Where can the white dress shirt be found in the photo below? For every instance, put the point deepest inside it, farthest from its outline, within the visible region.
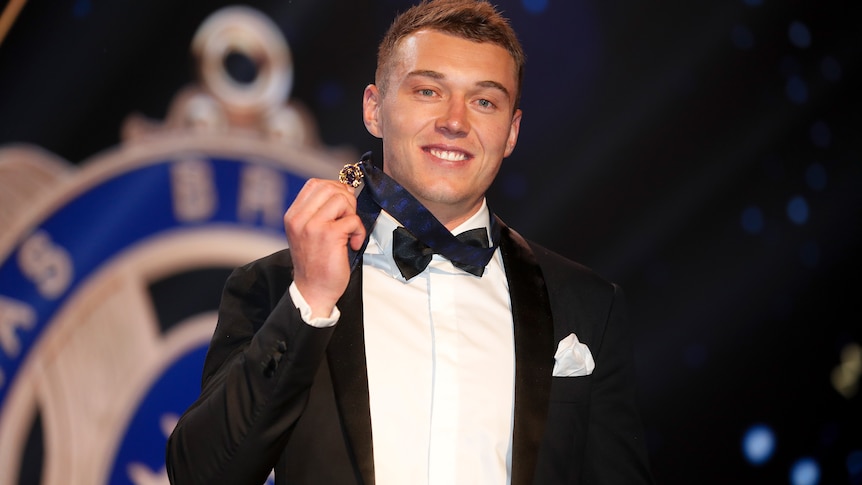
(440, 356)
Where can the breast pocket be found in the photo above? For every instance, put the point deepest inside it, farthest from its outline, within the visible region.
(570, 389)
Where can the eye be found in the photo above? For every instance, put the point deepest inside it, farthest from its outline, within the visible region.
(426, 92)
(484, 103)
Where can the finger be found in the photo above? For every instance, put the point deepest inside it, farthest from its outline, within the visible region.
(357, 239)
(353, 230)
(319, 199)
(311, 196)
(332, 207)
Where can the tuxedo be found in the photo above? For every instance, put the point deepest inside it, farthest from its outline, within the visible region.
(279, 393)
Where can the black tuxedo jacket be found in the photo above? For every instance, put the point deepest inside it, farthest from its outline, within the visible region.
(278, 393)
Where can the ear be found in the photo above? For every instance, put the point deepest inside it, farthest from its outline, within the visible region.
(514, 129)
(371, 100)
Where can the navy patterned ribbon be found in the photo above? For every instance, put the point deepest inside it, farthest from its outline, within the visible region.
(382, 192)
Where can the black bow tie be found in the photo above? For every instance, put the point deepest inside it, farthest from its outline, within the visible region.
(412, 255)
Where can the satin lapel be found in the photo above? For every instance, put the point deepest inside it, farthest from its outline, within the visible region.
(534, 352)
(346, 356)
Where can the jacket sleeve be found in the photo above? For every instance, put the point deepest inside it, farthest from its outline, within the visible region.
(615, 451)
(257, 375)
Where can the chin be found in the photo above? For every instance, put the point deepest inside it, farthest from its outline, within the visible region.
(441, 194)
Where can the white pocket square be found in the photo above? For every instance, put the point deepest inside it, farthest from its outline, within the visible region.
(573, 358)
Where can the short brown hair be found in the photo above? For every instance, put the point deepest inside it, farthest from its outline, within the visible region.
(475, 20)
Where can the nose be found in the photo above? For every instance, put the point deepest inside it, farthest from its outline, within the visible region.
(453, 121)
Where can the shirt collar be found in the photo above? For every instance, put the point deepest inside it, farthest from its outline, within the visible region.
(381, 235)
(380, 240)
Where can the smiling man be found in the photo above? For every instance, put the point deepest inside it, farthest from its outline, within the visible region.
(408, 335)
(447, 116)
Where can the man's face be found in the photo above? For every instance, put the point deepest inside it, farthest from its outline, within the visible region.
(446, 120)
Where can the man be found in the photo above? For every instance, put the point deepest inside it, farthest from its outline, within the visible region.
(336, 362)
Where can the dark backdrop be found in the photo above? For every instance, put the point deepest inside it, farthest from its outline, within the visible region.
(705, 155)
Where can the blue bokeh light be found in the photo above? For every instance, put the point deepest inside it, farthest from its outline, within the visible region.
(797, 90)
(758, 444)
(82, 8)
(854, 465)
(816, 177)
(535, 6)
(753, 3)
(799, 34)
(797, 210)
(805, 471)
(752, 220)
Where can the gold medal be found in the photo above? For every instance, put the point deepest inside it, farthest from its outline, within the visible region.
(351, 175)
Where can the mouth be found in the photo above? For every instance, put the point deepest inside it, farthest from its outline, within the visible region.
(448, 155)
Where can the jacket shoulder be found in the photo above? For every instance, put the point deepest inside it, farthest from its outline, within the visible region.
(258, 284)
(582, 301)
(562, 272)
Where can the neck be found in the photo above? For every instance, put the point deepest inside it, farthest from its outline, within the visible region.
(452, 217)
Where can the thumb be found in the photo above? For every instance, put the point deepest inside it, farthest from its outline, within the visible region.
(357, 238)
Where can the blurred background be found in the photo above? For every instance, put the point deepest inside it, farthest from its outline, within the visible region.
(704, 155)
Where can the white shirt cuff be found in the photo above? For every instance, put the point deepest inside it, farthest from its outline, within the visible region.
(305, 310)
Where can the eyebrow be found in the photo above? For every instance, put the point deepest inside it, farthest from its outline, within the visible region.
(439, 75)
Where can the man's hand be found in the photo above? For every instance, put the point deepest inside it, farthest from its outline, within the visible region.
(319, 225)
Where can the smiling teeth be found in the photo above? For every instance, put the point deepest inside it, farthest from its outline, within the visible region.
(449, 155)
